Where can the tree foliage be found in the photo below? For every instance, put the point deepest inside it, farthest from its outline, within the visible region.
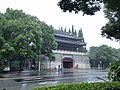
(88, 7)
(114, 73)
(112, 12)
(48, 41)
(21, 33)
(103, 55)
(24, 36)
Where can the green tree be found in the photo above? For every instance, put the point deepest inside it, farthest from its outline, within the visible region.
(48, 41)
(112, 12)
(112, 31)
(93, 56)
(20, 36)
(114, 73)
(88, 7)
(103, 55)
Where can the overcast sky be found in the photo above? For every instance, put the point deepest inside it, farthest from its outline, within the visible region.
(50, 13)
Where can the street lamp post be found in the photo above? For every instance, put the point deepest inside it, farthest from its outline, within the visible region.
(39, 64)
(39, 60)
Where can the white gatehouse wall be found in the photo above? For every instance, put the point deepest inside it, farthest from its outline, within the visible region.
(80, 60)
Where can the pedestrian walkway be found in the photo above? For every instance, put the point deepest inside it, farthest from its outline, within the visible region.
(27, 80)
(8, 84)
(7, 79)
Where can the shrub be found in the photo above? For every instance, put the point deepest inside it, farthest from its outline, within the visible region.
(114, 73)
(84, 86)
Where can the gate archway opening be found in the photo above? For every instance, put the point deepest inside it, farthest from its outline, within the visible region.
(67, 62)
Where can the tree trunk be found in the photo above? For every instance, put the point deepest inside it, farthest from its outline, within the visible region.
(21, 64)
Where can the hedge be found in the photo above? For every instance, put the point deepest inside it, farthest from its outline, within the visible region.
(83, 86)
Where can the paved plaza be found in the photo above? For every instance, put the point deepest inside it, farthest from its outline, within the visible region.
(27, 80)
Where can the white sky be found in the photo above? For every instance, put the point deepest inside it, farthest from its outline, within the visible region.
(50, 13)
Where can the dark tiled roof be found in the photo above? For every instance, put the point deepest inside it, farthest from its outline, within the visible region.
(65, 34)
(71, 42)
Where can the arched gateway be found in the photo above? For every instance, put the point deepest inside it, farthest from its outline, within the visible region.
(67, 62)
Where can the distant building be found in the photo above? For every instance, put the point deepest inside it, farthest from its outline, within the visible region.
(71, 50)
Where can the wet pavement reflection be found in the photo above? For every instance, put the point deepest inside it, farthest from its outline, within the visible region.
(49, 77)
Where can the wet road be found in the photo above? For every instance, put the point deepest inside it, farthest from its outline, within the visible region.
(53, 78)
